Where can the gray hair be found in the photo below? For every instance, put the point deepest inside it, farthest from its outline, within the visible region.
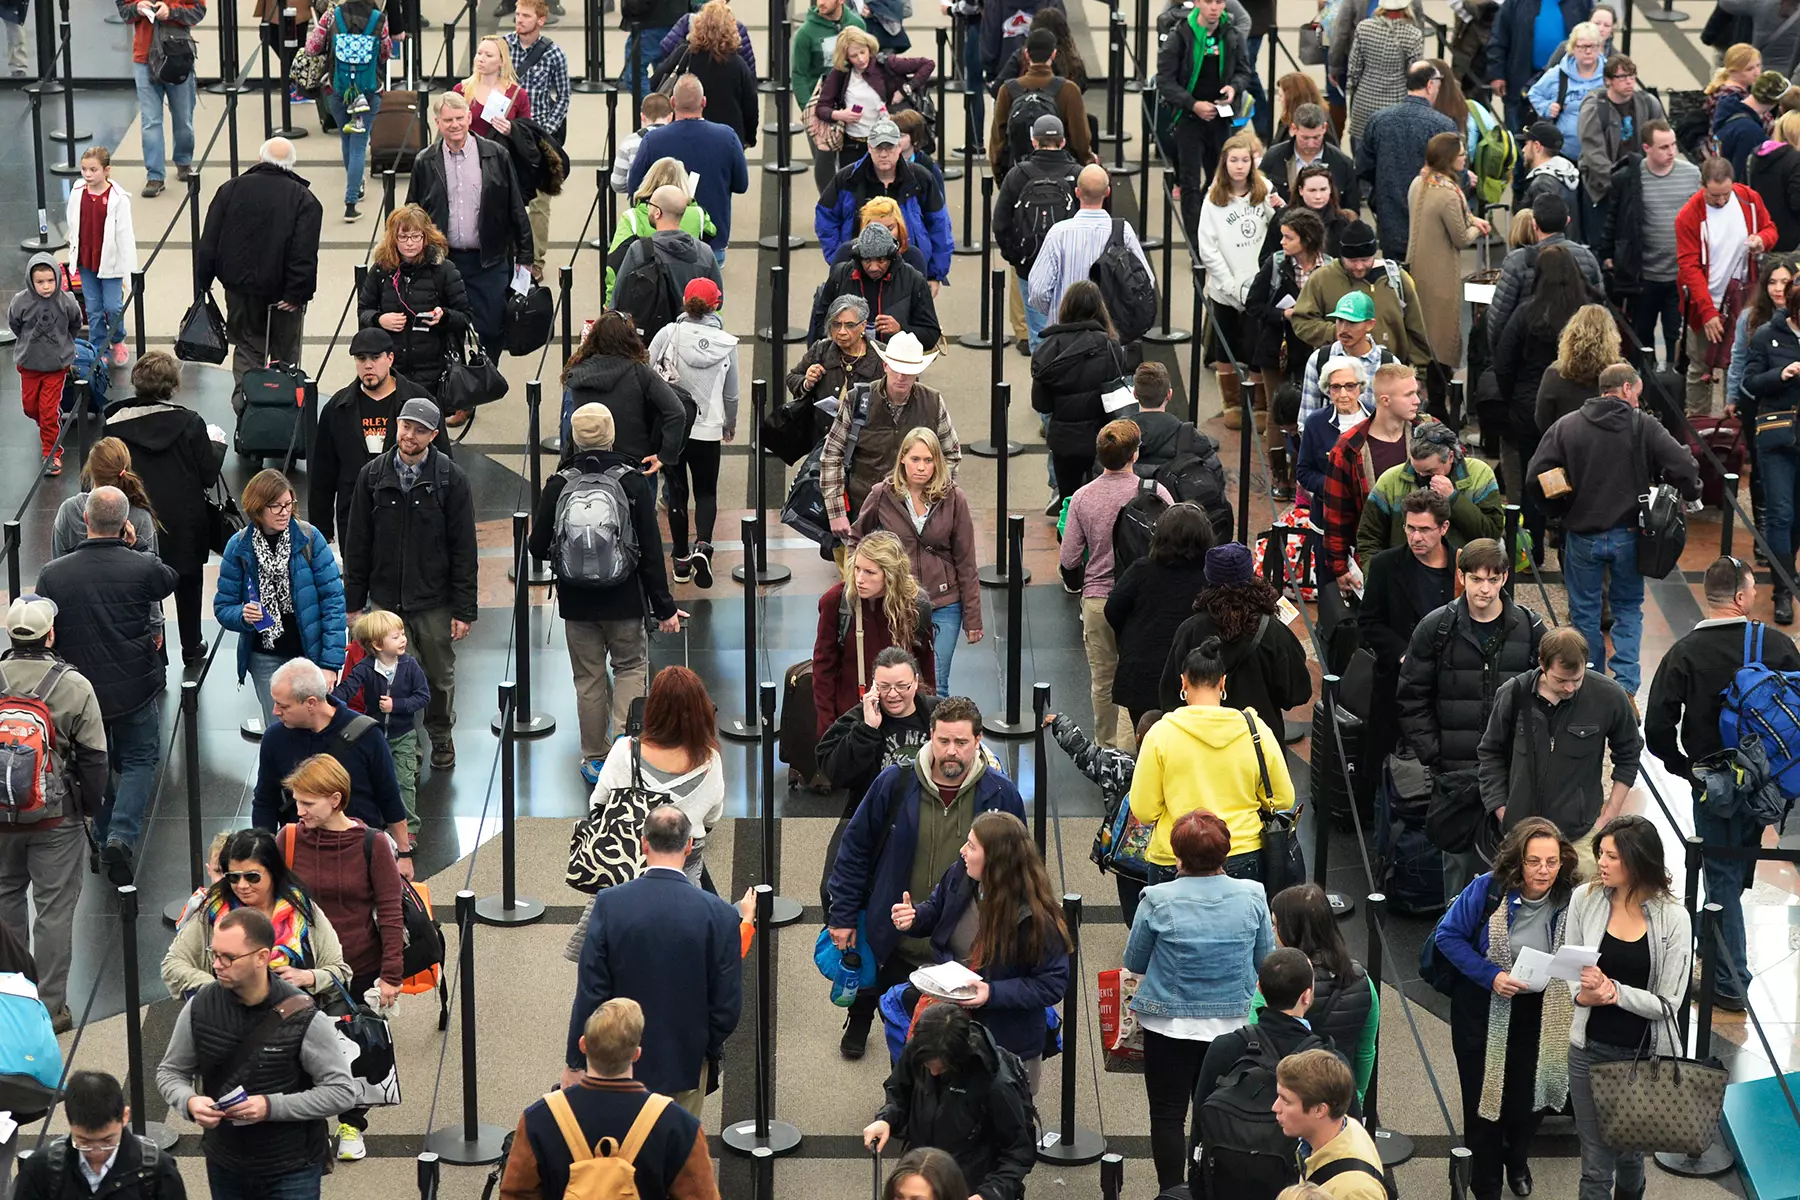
(107, 512)
(279, 152)
(667, 829)
(1309, 116)
(303, 680)
(1343, 362)
(451, 100)
(855, 304)
(1432, 440)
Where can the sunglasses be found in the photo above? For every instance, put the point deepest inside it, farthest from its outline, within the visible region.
(233, 878)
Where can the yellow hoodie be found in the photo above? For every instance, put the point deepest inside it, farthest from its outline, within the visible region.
(1202, 756)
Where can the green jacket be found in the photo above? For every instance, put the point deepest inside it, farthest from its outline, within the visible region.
(1477, 510)
(635, 222)
(808, 61)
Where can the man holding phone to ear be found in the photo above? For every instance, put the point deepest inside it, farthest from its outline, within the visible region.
(238, 1065)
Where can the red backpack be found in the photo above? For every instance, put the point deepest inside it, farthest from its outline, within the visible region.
(30, 789)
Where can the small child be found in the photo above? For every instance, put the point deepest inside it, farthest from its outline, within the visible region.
(394, 691)
(46, 321)
(102, 250)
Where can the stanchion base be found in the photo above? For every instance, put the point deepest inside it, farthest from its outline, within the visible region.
(492, 910)
(952, 173)
(783, 1138)
(164, 1136)
(44, 245)
(1150, 243)
(1671, 17)
(450, 1146)
(767, 577)
(1716, 1160)
(80, 135)
(172, 911)
(538, 575)
(1121, 170)
(998, 726)
(593, 87)
(1341, 905)
(1085, 1146)
(985, 449)
(64, 170)
(223, 86)
(252, 729)
(740, 729)
(1295, 731)
(772, 241)
(1395, 1148)
(992, 576)
(1167, 337)
(774, 130)
(965, 250)
(1109, 136)
(794, 334)
(551, 444)
(975, 341)
(785, 912)
(793, 168)
(294, 135)
(526, 725)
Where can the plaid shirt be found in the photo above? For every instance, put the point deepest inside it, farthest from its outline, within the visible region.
(547, 83)
(1349, 475)
(835, 461)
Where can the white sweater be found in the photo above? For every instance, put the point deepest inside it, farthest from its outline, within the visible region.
(118, 253)
(700, 793)
(1229, 241)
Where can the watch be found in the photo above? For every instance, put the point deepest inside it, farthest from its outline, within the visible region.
(407, 853)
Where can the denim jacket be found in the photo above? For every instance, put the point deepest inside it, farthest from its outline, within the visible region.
(1197, 941)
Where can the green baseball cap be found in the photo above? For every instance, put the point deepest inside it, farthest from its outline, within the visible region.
(1355, 306)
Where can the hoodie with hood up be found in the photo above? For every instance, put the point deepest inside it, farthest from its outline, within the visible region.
(46, 326)
(1594, 446)
(1559, 175)
(647, 414)
(697, 353)
(1203, 756)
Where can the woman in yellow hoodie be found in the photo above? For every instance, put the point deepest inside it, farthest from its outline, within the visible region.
(1206, 755)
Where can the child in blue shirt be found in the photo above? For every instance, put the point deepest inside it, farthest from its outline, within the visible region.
(394, 690)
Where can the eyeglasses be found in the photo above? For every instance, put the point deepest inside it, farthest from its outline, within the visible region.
(233, 878)
(226, 960)
(94, 1147)
(1623, 75)
(281, 507)
(893, 689)
(847, 324)
(410, 235)
(1344, 387)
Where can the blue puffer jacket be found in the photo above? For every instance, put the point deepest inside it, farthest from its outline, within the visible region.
(921, 201)
(1018, 993)
(1462, 932)
(317, 588)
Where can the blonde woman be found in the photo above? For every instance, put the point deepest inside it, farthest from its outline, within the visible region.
(416, 293)
(713, 58)
(861, 87)
(922, 506)
(878, 605)
(1440, 229)
(1588, 344)
(635, 221)
(495, 97)
(884, 210)
(1523, 231)
(1234, 221)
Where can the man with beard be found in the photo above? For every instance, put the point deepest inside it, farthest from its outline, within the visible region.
(899, 298)
(356, 424)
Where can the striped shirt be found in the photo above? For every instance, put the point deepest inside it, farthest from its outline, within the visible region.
(1664, 196)
(547, 83)
(1312, 388)
(462, 182)
(1069, 252)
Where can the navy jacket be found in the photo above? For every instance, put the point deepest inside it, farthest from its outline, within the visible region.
(374, 791)
(1018, 993)
(1509, 49)
(675, 949)
(411, 692)
(853, 875)
(1462, 932)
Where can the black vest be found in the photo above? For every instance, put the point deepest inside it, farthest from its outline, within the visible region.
(220, 1024)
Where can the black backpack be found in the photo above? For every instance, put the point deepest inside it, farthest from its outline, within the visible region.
(1042, 202)
(648, 293)
(1193, 478)
(1132, 527)
(1028, 104)
(1126, 285)
(172, 53)
(529, 317)
(1243, 1155)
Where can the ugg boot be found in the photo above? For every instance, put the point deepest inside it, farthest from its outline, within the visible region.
(1231, 401)
(1259, 406)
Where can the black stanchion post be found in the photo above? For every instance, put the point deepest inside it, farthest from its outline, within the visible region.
(634, 50)
(290, 45)
(1112, 1176)
(749, 727)
(190, 744)
(1693, 860)
(767, 574)
(1116, 96)
(783, 239)
(43, 243)
(524, 722)
(137, 312)
(1246, 450)
(68, 134)
(390, 182)
(784, 163)
(161, 1134)
(1395, 1148)
(538, 571)
(509, 908)
(1142, 47)
(993, 321)
(428, 1176)
(990, 335)
(1040, 765)
(1462, 1162)
(778, 302)
(231, 130)
(1167, 334)
(266, 35)
(593, 50)
(193, 207)
(763, 1135)
(1069, 1144)
(942, 85)
(565, 284)
(1727, 516)
(1195, 347)
(228, 65)
(999, 572)
(1013, 724)
(783, 911)
(1717, 1158)
(1145, 135)
(469, 1143)
(1666, 15)
(971, 138)
(1341, 905)
(1511, 535)
(13, 586)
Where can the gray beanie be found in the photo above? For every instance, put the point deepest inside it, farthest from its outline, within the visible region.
(876, 241)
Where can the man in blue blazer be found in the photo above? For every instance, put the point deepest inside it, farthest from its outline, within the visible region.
(673, 948)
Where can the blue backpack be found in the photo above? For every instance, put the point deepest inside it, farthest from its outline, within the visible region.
(1765, 702)
(27, 1043)
(93, 367)
(354, 55)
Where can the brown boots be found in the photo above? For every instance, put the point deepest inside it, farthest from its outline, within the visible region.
(1231, 401)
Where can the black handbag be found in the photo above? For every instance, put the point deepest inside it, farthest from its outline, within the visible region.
(1454, 811)
(471, 379)
(805, 507)
(1662, 518)
(201, 335)
(529, 317)
(223, 516)
(1283, 865)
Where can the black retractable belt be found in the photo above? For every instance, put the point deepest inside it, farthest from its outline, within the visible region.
(470, 1143)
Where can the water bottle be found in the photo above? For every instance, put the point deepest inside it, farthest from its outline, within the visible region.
(849, 978)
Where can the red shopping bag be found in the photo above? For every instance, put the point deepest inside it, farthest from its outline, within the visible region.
(1120, 1035)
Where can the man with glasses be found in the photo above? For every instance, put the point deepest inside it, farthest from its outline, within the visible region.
(359, 422)
(256, 1065)
(1612, 121)
(98, 1156)
(307, 723)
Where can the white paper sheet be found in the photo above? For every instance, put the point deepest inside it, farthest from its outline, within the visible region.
(1535, 969)
(1117, 399)
(1285, 303)
(521, 280)
(495, 106)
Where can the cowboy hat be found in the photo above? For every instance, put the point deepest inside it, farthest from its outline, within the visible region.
(904, 354)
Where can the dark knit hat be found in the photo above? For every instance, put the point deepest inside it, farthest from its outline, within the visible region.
(1228, 565)
(1358, 241)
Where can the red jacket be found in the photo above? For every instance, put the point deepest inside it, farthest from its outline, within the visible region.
(1690, 250)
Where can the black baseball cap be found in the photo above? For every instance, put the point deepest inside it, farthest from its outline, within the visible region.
(370, 342)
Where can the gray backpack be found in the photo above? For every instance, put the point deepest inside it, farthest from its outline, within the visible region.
(596, 541)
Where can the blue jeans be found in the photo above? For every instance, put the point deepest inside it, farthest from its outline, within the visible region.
(295, 1185)
(180, 97)
(975, 79)
(1585, 558)
(261, 670)
(1603, 1169)
(946, 627)
(1780, 469)
(1035, 324)
(1726, 880)
(355, 146)
(134, 743)
(641, 51)
(105, 300)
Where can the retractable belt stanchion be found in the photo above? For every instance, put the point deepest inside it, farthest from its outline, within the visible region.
(782, 911)
(780, 86)
(1246, 449)
(193, 207)
(1196, 357)
(69, 134)
(748, 727)
(777, 14)
(1069, 1144)
(1341, 905)
(993, 322)
(767, 574)
(1717, 1158)
(941, 83)
(763, 1135)
(13, 586)
(999, 572)
(429, 1176)
(988, 334)
(537, 570)
(1395, 1148)
(266, 34)
(390, 183)
(1726, 514)
(509, 908)
(1112, 1176)
(290, 45)
(1666, 15)
(1166, 334)
(784, 163)
(44, 243)
(1118, 168)
(1040, 765)
(593, 51)
(137, 311)
(784, 170)
(778, 300)
(1013, 724)
(634, 52)
(469, 1143)
(565, 287)
(190, 744)
(1511, 536)
(971, 136)
(156, 1131)
(228, 51)
(1148, 243)
(520, 718)
(1462, 1163)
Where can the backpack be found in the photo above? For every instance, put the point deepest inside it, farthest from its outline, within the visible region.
(28, 1047)
(648, 293)
(596, 543)
(1042, 202)
(1438, 970)
(1495, 155)
(1194, 479)
(30, 788)
(609, 1170)
(353, 55)
(1126, 285)
(1132, 527)
(1765, 702)
(1028, 104)
(92, 366)
(171, 53)
(1243, 1155)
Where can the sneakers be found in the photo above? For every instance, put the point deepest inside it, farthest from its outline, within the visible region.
(590, 770)
(121, 354)
(350, 1144)
(53, 468)
(1054, 508)
(351, 214)
(856, 1036)
(152, 189)
(681, 568)
(443, 755)
(296, 96)
(115, 857)
(62, 1020)
(700, 563)
(185, 173)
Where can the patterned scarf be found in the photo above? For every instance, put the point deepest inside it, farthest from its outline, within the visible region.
(291, 929)
(1551, 1084)
(276, 596)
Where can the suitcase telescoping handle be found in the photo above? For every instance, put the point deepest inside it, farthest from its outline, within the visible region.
(875, 1156)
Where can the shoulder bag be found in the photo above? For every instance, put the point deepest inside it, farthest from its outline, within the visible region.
(1662, 519)
(605, 849)
(470, 378)
(1283, 865)
(1659, 1102)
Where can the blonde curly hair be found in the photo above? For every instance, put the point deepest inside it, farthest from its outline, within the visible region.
(714, 31)
(1588, 345)
(900, 591)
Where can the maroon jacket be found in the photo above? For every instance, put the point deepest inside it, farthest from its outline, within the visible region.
(835, 689)
(885, 73)
(942, 554)
(360, 894)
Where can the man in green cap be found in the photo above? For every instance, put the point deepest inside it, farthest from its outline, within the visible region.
(1399, 317)
(1354, 314)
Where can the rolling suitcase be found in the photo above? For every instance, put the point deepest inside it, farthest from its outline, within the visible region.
(397, 133)
(799, 733)
(270, 404)
(1725, 435)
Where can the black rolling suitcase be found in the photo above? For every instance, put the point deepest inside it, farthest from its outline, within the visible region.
(1328, 786)
(270, 405)
(799, 732)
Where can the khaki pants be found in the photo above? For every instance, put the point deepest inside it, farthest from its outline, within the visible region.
(693, 1097)
(603, 706)
(1699, 394)
(428, 640)
(538, 211)
(1112, 727)
(1015, 307)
